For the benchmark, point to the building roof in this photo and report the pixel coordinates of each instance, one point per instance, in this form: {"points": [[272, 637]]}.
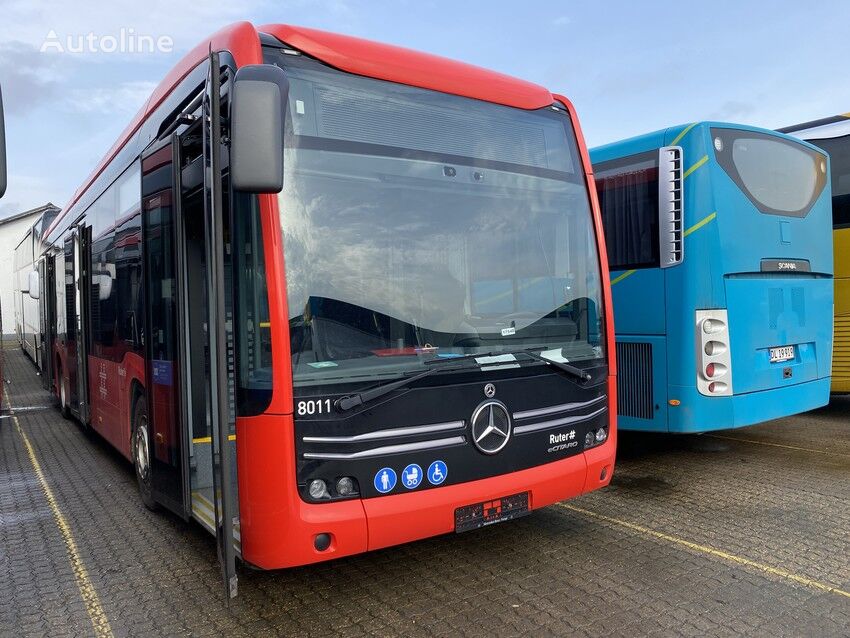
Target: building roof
{"points": [[49, 206]]}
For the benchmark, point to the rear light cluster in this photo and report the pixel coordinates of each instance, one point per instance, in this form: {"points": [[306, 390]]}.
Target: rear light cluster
{"points": [[326, 490], [595, 437], [714, 360]]}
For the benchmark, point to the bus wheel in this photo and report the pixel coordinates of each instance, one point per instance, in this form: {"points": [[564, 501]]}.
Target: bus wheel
{"points": [[141, 453], [64, 408]]}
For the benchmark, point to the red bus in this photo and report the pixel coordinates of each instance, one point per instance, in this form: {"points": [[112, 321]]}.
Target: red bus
{"points": [[330, 295], [2, 192]]}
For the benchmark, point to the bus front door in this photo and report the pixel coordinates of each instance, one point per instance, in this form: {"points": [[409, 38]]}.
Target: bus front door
{"points": [[47, 306], [190, 409], [165, 374], [77, 301]]}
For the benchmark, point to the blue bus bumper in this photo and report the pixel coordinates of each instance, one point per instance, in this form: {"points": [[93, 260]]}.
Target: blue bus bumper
{"points": [[698, 413]]}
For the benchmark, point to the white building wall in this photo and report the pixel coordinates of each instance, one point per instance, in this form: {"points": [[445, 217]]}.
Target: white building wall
{"points": [[11, 234]]}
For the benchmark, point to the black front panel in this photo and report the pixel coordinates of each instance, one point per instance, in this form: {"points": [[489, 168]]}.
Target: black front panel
{"points": [[423, 437]]}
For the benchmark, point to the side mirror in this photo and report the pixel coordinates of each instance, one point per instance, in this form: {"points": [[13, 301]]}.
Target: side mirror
{"points": [[260, 92], [671, 237], [2, 149], [33, 284]]}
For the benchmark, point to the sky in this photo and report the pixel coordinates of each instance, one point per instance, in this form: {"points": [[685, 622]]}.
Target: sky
{"points": [[629, 67]]}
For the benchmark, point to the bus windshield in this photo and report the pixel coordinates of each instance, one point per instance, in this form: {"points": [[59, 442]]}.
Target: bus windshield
{"points": [[419, 225]]}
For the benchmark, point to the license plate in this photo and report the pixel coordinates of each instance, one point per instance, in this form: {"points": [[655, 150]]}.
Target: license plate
{"points": [[489, 512], [782, 353]]}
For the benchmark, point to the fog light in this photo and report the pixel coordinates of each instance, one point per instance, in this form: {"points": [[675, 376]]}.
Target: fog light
{"points": [[345, 486], [589, 438], [601, 435], [318, 489], [322, 541]]}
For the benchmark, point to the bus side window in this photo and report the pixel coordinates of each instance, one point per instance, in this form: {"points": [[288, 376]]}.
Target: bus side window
{"points": [[628, 201], [252, 334]]}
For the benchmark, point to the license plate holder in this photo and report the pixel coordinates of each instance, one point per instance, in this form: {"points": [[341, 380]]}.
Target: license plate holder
{"points": [[496, 510], [781, 353]]}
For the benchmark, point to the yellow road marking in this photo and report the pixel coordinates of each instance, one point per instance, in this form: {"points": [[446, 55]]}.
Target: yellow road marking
{"points": [[787, 447], [620, 278], [684, 132], [700, 224], [696, 165], [98, 617], [705, 549], [208, 439]]}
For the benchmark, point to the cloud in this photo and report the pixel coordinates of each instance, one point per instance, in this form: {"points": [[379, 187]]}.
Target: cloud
{"points": [[26, 192], [562, 21], [733, 111], [124, 98], [28, 78], [30, 22]]}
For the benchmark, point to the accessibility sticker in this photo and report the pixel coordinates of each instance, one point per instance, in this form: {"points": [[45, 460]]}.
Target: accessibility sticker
{"points": [[385, 480], [411, 476], [437, 472]]}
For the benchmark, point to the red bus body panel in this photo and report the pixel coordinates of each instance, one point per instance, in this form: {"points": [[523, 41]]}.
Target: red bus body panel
{"points": [[405, 66]]}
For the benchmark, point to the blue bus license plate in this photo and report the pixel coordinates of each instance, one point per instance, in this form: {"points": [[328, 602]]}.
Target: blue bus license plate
{"points": [[782, 353], [495, 510]]}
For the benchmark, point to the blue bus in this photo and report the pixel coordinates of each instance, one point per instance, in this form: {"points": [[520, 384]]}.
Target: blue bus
{"points": [[719, 241]]}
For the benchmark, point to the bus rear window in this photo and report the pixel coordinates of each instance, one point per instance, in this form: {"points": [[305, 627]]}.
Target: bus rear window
{"points": [[780, 176]]}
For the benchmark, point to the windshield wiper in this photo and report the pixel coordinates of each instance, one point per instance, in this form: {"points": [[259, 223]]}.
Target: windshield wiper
{"points": [[584, 375], [344, 404], [347, 403], [561, 365]]}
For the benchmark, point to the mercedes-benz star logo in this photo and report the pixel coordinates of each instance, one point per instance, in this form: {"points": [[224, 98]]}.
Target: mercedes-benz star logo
{"points": [[491, 427], [489, 390]]}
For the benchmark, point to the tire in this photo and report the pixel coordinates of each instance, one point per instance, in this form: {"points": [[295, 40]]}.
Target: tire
{"points": [[64, 408], [140, 447]]}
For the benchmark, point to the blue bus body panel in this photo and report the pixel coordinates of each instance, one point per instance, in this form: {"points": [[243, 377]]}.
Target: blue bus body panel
{"points": [[726, 239], [640, 308], [765, 313], [658, 383]]}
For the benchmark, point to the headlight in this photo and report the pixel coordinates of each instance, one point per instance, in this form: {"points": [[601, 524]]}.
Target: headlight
{"points": [[345, 486], [318, 489]]}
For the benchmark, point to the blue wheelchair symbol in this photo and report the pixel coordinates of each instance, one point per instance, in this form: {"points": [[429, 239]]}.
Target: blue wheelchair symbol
{"points": [[411, 476], [385, 480], [437, 472]]}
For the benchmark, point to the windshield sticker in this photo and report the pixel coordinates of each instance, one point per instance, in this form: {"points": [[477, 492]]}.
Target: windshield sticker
{"points": [[507, 332], [497, 362], [554, 355], [323, 364]]}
